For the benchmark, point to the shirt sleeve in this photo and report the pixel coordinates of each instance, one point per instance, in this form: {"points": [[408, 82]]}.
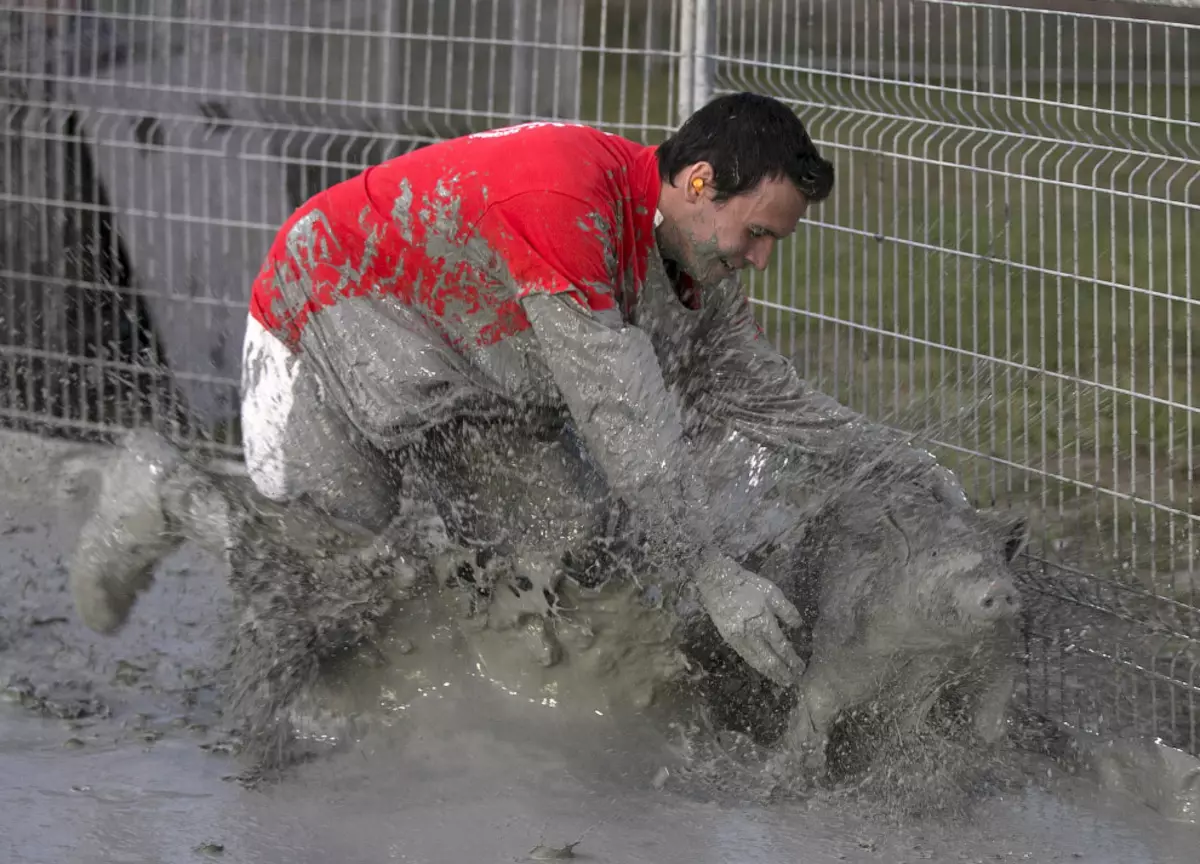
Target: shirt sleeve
{"points": [[630, 422], [606, 369], [751, 387]]}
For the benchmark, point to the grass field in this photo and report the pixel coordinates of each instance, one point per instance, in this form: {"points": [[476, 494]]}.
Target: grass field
{"points": [[1013, 279]]}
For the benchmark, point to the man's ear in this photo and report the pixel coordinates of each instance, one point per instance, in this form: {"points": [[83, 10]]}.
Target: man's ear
{"points": [[698, 181]]}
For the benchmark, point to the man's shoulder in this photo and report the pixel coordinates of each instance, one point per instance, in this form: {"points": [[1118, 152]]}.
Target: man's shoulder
{"points": [[531, 174], [534, 143], [566, 128], [510, 157], [551, 155], [546, 132]]}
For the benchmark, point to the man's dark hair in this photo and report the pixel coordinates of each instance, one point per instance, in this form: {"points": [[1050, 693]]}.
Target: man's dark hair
{"points": [[747, 138]]}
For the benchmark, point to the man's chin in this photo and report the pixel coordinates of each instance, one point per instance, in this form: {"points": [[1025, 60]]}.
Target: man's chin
{"points": [[711, 277], [715, 278]]}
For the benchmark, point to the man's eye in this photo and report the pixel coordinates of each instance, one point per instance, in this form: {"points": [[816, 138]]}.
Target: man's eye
{"points": [[758, 232]]}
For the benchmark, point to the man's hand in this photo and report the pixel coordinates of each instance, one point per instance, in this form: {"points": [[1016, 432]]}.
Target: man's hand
{"points": [[744, 606]]}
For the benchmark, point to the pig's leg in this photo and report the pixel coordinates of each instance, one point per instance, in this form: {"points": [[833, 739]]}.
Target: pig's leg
{"points": [[822, 694], [988, 694], [992, 706], [915, 691]]}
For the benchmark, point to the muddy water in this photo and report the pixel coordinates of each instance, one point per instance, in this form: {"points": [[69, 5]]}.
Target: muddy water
{"points": [[462, 763]]}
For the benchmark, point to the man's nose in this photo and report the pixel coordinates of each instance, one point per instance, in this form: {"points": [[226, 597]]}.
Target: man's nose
{"points": [[759, 253]]}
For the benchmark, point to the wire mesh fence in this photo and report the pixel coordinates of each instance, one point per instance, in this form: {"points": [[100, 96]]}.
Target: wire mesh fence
{"points": [[152, 147], [1005, 265]]}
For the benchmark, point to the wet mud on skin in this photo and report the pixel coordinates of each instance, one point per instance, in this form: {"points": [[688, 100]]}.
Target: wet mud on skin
{"points": [[112, 749]]}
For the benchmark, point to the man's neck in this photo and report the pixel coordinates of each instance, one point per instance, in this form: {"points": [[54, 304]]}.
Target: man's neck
{"points": [[685, 288]]}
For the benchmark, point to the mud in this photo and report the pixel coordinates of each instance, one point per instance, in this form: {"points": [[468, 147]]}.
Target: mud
{"points": [[910, 612], [113, 749]]}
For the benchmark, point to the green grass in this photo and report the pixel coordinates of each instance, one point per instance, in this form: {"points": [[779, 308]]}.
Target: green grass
{"points": [[1079, 291]]}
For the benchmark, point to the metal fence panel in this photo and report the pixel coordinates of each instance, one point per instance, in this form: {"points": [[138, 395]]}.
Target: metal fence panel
{"points": [[151, 148], [1005, 265]]}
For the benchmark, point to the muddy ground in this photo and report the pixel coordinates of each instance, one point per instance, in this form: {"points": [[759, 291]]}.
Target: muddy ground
{"points": [[112, 750]]}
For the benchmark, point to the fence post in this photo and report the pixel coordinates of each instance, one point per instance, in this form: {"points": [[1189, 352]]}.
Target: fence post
{"points": [[523, 61], [702, 50], [694, 36], [687, 61]]}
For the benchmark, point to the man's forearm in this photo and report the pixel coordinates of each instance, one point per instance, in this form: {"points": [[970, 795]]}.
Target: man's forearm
{"points": [[752, 388], [630, 423]]}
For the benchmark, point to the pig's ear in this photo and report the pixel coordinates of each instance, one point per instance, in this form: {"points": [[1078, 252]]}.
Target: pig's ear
{"points": [[1016, 538], [1011, 529]]}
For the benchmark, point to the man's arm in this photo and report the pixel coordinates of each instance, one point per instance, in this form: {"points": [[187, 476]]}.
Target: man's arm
{"points": [[610, 379], [630, 423], [752, 387], [559, 253]]}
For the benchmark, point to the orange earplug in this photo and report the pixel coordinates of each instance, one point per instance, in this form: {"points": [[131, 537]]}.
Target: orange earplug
{"points": [[697, 184]]}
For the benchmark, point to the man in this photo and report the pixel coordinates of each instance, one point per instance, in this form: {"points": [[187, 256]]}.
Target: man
{"points": [[509, 276]]}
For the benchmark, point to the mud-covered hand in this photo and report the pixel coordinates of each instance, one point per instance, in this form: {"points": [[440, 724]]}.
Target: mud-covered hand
{"points": [[745, 607]]}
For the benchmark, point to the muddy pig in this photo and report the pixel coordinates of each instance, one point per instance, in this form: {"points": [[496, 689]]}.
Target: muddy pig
{"points": [[910, 606], [906, 588]]}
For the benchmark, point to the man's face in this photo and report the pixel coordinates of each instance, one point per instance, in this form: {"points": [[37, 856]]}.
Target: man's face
{"points": [[715, 240]]}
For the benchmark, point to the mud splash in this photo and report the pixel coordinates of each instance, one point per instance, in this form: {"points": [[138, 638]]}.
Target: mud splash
{"points": [[449, 758]]}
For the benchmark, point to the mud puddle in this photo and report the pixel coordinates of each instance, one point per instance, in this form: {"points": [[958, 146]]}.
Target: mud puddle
{"points": [[111, 751], [465, 782]]}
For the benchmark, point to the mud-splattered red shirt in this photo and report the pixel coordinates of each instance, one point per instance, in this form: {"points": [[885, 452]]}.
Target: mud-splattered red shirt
{"points": [[432, 288], [462, 230]]}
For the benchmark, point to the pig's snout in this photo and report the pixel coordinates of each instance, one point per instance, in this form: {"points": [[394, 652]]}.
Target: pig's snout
{"points": [[991, 601]]}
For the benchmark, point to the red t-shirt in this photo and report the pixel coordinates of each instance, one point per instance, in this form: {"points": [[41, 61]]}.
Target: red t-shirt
{"points": [[463, 229]]}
